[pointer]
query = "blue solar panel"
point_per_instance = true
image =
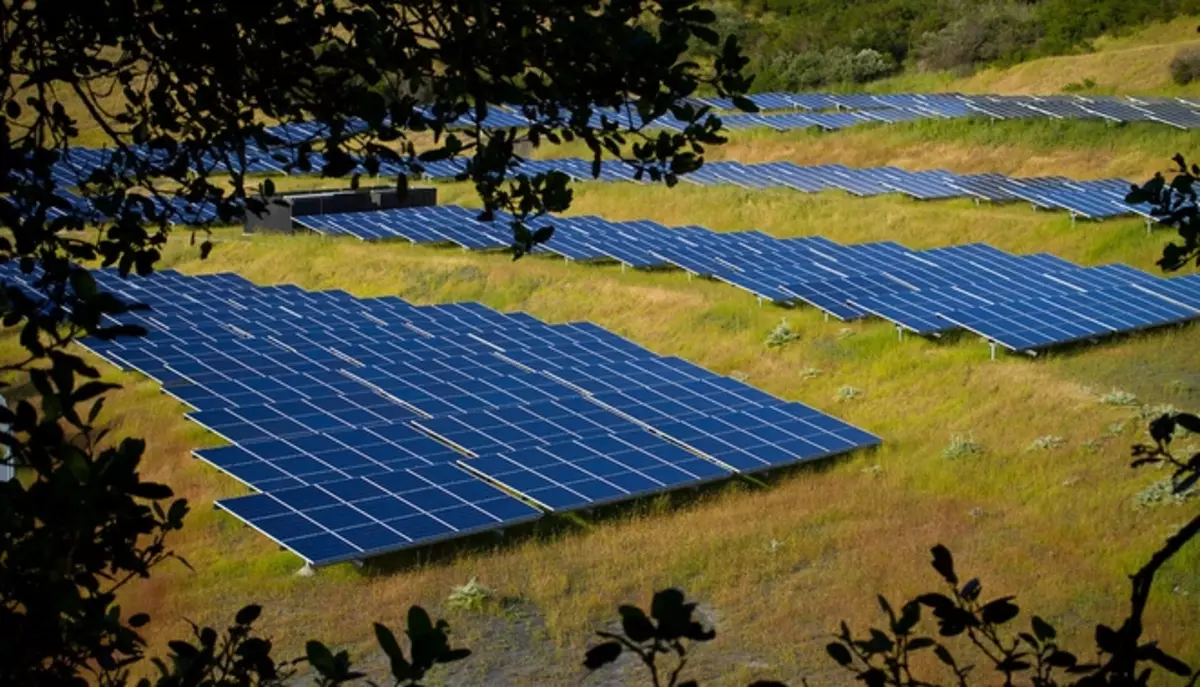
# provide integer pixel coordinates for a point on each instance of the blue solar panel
(360, 517)
(361, 422)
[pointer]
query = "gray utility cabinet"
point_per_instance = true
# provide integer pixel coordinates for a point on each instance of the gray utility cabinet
(283, 208)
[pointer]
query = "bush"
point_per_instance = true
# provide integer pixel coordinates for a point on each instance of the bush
(471, 596)
(1185, 68)
(813, 69)
(1046, 443)
(848, 393)
(781, 335)
(1162, 493)
(992, 32)
(961, 446)
(1116, 397)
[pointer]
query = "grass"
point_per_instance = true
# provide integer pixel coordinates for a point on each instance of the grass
(1132, 64)
(777, 564)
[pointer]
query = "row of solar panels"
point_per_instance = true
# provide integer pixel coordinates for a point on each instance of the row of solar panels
(799, 111)
(831, 111)
(1095, 199)
(373, 425)
(1023, 303)
(1181, 113)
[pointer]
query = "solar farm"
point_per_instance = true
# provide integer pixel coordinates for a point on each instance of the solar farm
(371, 426)
(614, 413)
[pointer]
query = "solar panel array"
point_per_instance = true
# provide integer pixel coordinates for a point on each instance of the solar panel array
(374, 425)
(832, 111)
(1023, 303)
(1095, 199)
(780, 111)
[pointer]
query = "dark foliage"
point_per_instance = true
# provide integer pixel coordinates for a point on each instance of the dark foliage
(1016, 653)
(1174, 205)
(179, 92)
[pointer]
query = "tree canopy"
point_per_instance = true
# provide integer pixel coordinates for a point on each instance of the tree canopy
(182, 93)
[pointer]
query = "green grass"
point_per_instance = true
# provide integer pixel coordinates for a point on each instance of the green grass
(779, 565)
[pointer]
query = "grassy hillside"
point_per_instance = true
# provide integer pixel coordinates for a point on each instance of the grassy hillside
(774, 566)
(1133, 64)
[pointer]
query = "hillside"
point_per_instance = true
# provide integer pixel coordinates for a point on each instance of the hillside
(1018, 464)
(1136, 64)
(775, 565)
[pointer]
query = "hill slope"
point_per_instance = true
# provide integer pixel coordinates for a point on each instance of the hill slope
(1134, 64)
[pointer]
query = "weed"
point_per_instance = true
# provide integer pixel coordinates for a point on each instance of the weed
(1116, 397)
(471, 596)
(781, 335)
(873, 470)
(845, 333)
(1162, 493)
(1116, 429)
(961, 446)
(1076, 86)
(847, 393)
(1149, 412)
(739, 375)
(810, 373)
(1046, 443)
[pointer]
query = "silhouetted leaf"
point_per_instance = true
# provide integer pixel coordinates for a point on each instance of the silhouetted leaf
(944, 655)
(1043, 629)
(1107, 639)
(918, 643)
(602, 654)
(320, 658)
(248, 614)
(971, 589)
(635, 624)
(1061, 659)
(387, 642)
(839, 653)
(943, 562)
(999, 611)
(1188, 421)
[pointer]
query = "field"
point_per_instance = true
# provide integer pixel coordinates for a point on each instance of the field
(774, 565)
(1044, 507)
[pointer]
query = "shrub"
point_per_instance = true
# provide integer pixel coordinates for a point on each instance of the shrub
(961, 446)
(847, 393)
(781, 335)
(1116, 397)
(992, 32)
(1185, 67)
(1078, 86)
(1162, 493)
(1046, 443)
(471, 596)
(813, 68)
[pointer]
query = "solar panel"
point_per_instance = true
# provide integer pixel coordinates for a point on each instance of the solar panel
(368, 425)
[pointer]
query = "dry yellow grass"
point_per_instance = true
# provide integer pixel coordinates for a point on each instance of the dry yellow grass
(1133, 64)
(774, 567)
